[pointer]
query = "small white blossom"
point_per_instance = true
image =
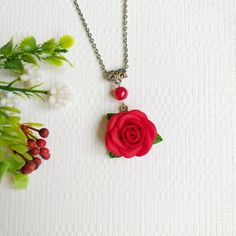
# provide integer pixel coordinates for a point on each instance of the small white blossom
(8, 99)
(32, 75)
(59, 96)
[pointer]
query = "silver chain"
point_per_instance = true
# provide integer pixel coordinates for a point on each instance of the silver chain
(92, 41)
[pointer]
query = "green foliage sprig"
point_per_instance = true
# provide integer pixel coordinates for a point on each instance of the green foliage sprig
(15, 152)
(13, 146)
(13, 56)
(28, 92)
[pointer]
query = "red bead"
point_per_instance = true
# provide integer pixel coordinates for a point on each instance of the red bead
(120, 93)
(41, 143)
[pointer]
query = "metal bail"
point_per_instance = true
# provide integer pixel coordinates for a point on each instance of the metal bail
(123, 107)
(115, 76)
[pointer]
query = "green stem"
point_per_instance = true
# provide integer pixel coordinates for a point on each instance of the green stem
(36, 52)
(23, 90)
(13, 81)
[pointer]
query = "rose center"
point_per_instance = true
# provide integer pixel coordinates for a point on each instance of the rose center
(132, 134)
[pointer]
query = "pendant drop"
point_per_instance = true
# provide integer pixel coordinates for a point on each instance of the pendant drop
(129, 133)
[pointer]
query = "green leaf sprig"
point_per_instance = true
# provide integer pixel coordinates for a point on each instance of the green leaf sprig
(28, 92)
(13, 57)
(14, 151)
(28, 51)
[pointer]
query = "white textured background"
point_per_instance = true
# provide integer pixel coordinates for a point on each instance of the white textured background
(182, 74)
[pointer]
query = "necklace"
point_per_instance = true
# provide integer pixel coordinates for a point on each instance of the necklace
(129, 133)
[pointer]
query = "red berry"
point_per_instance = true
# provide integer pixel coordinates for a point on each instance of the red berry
(34, 151)
(41, 143)
(44, 132)
(28, 168)
(120, 93)
(37, 161)
(31, 143)
(44, 151)
(23, 171)
(45, 156)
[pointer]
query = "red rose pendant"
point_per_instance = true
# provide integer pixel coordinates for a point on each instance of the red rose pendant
(129, 134)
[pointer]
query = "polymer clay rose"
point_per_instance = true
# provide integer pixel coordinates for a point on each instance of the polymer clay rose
(130, 134)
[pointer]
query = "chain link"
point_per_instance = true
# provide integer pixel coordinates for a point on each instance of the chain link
(92, 41)
(125, 34)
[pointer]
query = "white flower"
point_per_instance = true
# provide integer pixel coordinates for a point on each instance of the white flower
(59, 96)
(32, 75)
(8, 99)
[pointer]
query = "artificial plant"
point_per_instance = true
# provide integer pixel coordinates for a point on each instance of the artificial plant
(23, 145)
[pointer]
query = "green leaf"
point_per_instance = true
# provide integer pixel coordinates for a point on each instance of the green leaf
(29, 58)
(20, 148)
(34, 124)
(66, 41)
(7, 49)
(111, 155)
(64, 59)
(49, 46)
(27, 156)
(15, 65)
(13, 120)
(61, 50)
(20, 133)
(14, 165)
(158, 139)
(54, 61)
(109, 115)
(2, 156)
(3, 115)
(13, 82)
(9, 130)
(28, 44)
(9, 138)
(3, 119)
(3, 168)
(2, 143)
(21, 181)
(18, 159)
(36, 86)
(11, 109)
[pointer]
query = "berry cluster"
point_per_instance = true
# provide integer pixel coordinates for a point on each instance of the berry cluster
(36, 148)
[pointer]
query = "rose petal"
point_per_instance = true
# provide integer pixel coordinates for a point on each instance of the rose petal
(111, 146)
(131, 152)
(147, 145)
(115, 136)
(130, 119)
(139, 114)
(113, 120)
(151, 128)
